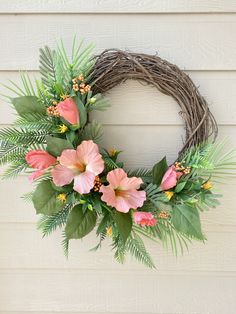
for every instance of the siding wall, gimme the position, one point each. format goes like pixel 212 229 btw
pixel 199 36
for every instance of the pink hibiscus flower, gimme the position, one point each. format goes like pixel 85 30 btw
pixel 121 192
pixel 144 219
pixel 40 160
pixel 69 111
pixel 81 165
pixel 170 178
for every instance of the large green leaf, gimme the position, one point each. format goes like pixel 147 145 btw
pixel 45 199
pixel 82 111
pixel 124 224
pixel 28 104
pixel 80 223
pixel 186 220
pixel 55 145
pixel 159 170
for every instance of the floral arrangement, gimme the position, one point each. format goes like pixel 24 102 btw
pixel 80 186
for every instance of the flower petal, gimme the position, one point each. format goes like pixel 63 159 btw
pixel 88 154
pixel 108 195
pixel 131 183
pixel 84 182
pixel 62 175
pixel 135 198
pixel 40 159
pixel 116 176
pixel 68 158
pixel 35 175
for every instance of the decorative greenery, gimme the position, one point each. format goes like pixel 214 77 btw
pixel 81 186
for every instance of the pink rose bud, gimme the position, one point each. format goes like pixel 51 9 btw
pixel 69 111
pixel 170 178
pixel 144 219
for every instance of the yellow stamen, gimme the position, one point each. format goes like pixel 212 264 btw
pixel 62 197
pixel 62 128
pixel 208 185
pixel 169 194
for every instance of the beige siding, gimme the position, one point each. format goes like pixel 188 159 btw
pixel 35 277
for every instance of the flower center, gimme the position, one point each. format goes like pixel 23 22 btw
pixel 119 192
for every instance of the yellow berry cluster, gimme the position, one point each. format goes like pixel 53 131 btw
pixel 179 167
pixel 164 215
pixel 52 111
pixel 82 87
pixel 97 184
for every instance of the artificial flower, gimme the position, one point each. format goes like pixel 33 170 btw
pixel 207 185
pixel 170 178
pixel 144 219
pixel 122 192
pixel 81 165
pixel 39 160
pixel 169 194
pixel 69 111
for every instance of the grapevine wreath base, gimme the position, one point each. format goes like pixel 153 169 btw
pixel 80 186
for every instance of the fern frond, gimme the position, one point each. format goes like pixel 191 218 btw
pixel 135 246
pixel 34 121
pixel 15 169
pixel 22 136
pixel 10 153
pixel 47 66
pixel 65 245
pixel 48 224
pixel 143 173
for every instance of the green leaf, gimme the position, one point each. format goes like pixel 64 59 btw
pixel 159 170
pixel 55 145
pixel 44 199
pixel 82 111
pixel 180 186
pixel 186 220
pixel 28 104
pixel 80 223
pixel 124 224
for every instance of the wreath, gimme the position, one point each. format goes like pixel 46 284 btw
pixel 80 186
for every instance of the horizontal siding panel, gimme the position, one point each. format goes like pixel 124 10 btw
pixel 25 249
pixel 145 105
pixel 116 292
pixel 194 42
pixel 118 6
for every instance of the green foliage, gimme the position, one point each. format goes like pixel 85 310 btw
pixel 15 169
pixel 170 237
pixel 55 145
pixel 186 220
pixel 97 102
pixel 28 104
pixel 45 199
pixel 124 224
pixel 92 131
pixel 159 170
pixel 26 90
pixel 154 194
pixel 135 246
pixel 211 160
pixel 82 111
pixel 35 121
pixel 80 222
pixel 143 173
pixel 22 136
pixel 49 223
pixel 47 66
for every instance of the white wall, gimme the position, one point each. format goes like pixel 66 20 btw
pixel 199 36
